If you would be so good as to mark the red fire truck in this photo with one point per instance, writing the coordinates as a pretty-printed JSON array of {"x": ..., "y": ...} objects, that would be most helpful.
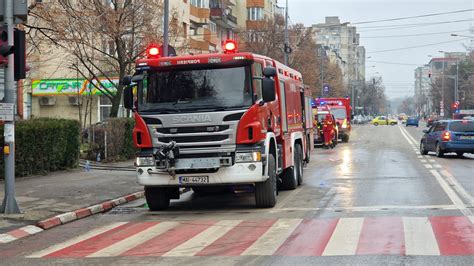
[
  {"x": 218, "y": 120},
  {"x": 341, "y": 109}
]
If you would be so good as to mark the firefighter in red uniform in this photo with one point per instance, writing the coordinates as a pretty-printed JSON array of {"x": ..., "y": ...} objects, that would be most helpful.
[{"x": 328, "y": 131}]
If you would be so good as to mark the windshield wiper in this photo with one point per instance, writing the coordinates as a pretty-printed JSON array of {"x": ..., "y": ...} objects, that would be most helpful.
[
  {"x": 162, "y": 110},
  {"x": 179, "y": 101}
]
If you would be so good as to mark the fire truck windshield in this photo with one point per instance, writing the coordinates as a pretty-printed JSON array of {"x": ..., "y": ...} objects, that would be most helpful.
[
  {"x": 339, "y": 113},
  {"x": 195, "y": 90}
]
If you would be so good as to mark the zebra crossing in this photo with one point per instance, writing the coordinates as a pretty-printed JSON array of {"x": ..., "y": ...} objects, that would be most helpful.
[{"x": 443, "y": 235}]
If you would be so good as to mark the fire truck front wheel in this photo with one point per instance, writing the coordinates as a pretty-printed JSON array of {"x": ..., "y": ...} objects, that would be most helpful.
[
  {"x": 157, "y": 198},
  {"x": 266, "y": 192}
]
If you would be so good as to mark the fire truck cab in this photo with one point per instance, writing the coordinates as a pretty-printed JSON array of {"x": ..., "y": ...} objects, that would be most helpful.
[{"x": 211, "y": 120}]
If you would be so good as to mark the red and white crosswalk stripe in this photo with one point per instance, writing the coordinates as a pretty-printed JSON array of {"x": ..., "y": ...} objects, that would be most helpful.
[{"x": 280, "y": 237}]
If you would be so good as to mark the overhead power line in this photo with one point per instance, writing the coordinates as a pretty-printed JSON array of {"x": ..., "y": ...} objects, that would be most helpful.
[
  {"x": 392, "y": 63},
  {"x": 411, "y": 17},
  {"x": 416, "y": 24},
  {"x": 411, "y": 35},
  {"x": 416, "y": 46}
]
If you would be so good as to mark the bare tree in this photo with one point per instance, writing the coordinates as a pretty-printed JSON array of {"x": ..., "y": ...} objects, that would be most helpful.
[
  {"x": 103, "y": 37},
  {"x": 268, "y": 40}
]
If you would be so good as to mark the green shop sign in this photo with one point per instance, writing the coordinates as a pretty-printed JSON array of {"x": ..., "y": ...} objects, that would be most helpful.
[{"x": 42, "y": 87}]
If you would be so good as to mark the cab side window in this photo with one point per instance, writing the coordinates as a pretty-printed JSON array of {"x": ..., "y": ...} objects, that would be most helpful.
[{"x": 257, "y": 72}]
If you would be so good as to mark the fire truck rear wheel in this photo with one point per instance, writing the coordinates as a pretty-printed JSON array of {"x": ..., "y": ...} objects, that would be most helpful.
[
  {"x": 345, "y": 138},
  {"x": 157, "y": 198},
  {"x": 266, "y": 192},
  {"x": 291, "y": 177}
]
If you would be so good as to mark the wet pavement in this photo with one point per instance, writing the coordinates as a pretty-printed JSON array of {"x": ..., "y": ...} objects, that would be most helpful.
[{"x": 370, "y": 201}]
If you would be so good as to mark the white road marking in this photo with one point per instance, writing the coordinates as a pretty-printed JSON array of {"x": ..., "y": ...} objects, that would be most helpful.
[
  {"x": 455, "y": 184},
  {"x": 370, "y": 208},
  {"x": 437, "y": 166},
  {"x": 419, "y": 237},
  {"x": 423, "y": 161},
  {"x": 345, "y": 237},
  {"x": 132, "y": 241},
  {"x": 290, "y": 196},
  {"x": 203, "y": 239},
  {"x": 429, "y": 166},
  {"x": 273, "y": 238},
  {"x": 405, "y": 136},
  {"x": 452, "y": 195},
  {"x": 75, "y": 240},
  {"x": 420, "y": 156},
  {"x": 432, "y": 160}
]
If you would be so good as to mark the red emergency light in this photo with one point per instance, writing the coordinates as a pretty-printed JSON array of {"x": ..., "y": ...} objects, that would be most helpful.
[
  {"x": 230, "y": 47},
  {"x": 153, "y": 51}
]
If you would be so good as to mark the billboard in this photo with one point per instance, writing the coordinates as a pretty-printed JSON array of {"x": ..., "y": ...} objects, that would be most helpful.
[{"x": 53, "y": 87}]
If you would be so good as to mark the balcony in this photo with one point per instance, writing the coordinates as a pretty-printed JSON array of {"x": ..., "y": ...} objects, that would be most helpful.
[
  {"x": 255, "y": 24},
  {"x": 256, "y": 3},
  {"x": 223, "y": 18},
  {"x": 199, "y": 15},
  {"x": 197, "y": 44}
]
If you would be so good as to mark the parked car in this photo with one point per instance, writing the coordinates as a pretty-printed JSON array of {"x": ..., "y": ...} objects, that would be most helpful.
[
  {"x": 412, "y": 121},
  {"x": 383, "y": 120},
  {"x": 447, "y": 136}
]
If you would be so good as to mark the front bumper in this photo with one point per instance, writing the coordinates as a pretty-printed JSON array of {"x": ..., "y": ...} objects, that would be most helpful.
[{"x": 239, "y": 173}]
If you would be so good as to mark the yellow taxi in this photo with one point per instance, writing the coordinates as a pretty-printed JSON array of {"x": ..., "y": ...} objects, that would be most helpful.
[{"x": 383, "y": 120}]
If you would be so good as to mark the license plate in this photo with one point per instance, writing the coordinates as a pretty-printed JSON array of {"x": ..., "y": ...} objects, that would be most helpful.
[
  {"x": 193, "y": 179},
  {"x": 467, "y": 137}
]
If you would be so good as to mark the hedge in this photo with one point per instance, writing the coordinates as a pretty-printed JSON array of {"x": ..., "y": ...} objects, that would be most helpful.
[
  {"x": 119, "y": 140},
  {"x": 44, "y": 145}
]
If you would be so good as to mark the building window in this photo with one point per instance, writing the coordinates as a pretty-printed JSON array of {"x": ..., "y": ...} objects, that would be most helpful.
[
  {"x": 200, "y": 3},
  {"x": 105, "y": 106},
  {"x": 212, "y": 26},
  {"x": 255, "y": 13}
]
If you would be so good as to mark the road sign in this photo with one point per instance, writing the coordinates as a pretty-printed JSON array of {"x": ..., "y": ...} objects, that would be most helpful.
[
  {"x": 7, "y": 111},
  {"x": 326, "y": 88}
]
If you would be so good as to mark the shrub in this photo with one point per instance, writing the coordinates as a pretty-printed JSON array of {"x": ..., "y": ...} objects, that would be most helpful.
[
  {"x": 119, "y": 139},
  {"x": 43, "y": 145}
]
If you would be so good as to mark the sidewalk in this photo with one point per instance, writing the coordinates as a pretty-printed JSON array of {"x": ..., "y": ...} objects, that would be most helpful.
[{"x": 41, "y": 197}]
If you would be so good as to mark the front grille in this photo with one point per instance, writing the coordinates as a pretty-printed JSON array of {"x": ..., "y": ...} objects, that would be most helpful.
[
  {"x": 180, "y": 130},
  {"x": 209, "y": 138}
]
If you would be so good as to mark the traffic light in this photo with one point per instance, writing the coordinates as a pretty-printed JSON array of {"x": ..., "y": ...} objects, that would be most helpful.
[
  {"x": 20, "y": 55},
  {"x": 5, "y": 49},
  {"x": 18, "y": 49}
]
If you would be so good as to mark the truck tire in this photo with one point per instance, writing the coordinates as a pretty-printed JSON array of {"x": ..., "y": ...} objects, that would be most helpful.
[
  {"x": 299, "y": 171},
  {"x": 345, "y": 138},
  {"x": 157, "y": 198},
  {"x": 290, "y": 176},
  {"x": 266, "y": 192}
]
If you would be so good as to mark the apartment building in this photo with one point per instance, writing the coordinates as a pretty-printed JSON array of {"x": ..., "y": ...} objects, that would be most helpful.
[
  {"x": 251, "y": 13},
  {"x": 341, "y": 44},
  {"x": 423, "y": 104}
]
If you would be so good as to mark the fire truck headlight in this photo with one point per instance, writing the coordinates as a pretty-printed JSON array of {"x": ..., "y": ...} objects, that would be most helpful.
[
  {"x": 145, "y": 161},
  {"x": 242, "y": 157}
]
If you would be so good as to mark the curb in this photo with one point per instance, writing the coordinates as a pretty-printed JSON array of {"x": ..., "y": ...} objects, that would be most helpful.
[{"x": 67, "y": 217}]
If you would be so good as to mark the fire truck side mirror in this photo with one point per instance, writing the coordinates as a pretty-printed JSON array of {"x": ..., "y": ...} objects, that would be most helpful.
[
  {"x": 268, "y": 90},
  {"x": 127, "y": 80},
  {"x": 269, "y": 72},
  {"x": 128, "y": 98}
]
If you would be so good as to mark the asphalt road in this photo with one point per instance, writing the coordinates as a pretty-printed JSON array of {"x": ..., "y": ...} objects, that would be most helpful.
[{"x": 373, "y": 200}]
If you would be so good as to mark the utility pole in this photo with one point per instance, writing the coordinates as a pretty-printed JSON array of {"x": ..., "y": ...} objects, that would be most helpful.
[
  {"x": 322, "y": 70},
  {"x": 9, "y": 201},
  {"x": 287, "y": 45},
  {"x": 456, "y": 85},
  {"x": 166, "y": 27}
]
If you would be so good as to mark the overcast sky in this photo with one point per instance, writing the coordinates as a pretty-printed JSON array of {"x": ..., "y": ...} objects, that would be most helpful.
[{"x": 398, "y": 79}]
